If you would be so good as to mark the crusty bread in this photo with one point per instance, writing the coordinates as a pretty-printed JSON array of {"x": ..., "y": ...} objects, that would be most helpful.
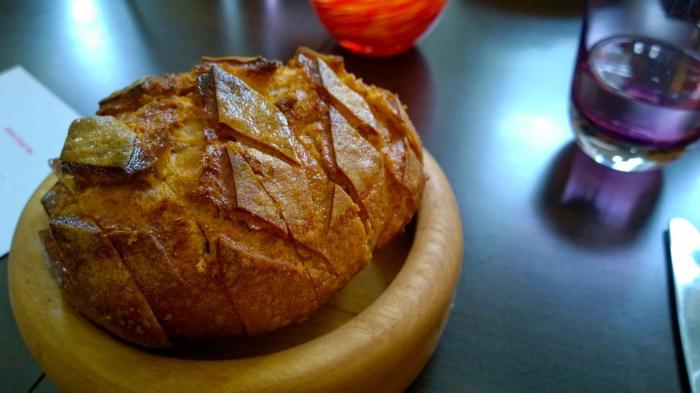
[{"x": 232, "y": 199}]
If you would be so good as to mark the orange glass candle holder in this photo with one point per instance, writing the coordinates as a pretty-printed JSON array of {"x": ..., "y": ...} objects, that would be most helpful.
[{"x": 378, "y": 27}]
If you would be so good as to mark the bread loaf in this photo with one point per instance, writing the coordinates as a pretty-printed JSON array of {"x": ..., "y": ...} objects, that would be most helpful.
[{"x": 232, "y": 199}]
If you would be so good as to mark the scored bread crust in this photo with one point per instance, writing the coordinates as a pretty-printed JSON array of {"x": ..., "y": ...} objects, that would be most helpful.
[{"x": 235, "y": 198}]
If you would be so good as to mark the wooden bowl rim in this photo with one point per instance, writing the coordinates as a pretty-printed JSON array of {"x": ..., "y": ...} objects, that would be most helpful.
[{"x": 401, "y": 327}]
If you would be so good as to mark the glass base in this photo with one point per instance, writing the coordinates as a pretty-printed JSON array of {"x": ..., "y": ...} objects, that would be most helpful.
[{"x": 618, "y": 155}]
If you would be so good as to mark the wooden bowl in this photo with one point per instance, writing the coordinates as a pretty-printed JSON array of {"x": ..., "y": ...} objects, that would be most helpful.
[{"x": 374, "y": 336}]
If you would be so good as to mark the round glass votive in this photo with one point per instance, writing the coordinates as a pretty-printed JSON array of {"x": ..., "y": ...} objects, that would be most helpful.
[{"x": 378, "y": 27}]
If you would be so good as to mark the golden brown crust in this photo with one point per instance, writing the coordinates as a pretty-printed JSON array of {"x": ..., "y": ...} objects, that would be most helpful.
[
  {"x": 189, "y": 305},
  {"x": 347, "y": 234},
  {"x": 251, "y": 196},
  {"x": 268, "y": 293},
  {"x": 58, "y": 201},
  {"x": 249, "y": 113},
  {"x": 235, "y": 198},
  {"x": 144, "y": 90},
  {"x": 363, "y": 166},
  {"x": 98, "y": 284}
]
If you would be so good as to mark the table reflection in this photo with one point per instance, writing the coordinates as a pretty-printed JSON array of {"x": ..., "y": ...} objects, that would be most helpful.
[
  {"x": 535, "y": 7},
  {"x": 595, "y": 205},
  {"x": 96, "y": 42}
]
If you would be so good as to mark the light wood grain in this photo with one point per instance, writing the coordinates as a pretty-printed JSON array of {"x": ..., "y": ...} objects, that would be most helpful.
[{"x": 374, "y": 336}]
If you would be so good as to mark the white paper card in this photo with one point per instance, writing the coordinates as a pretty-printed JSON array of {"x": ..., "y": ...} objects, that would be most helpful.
[{"x": 33, "y": 126}]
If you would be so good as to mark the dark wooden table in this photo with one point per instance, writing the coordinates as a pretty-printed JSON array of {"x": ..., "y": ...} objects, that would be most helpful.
[{"x": 565, "y": 284}]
